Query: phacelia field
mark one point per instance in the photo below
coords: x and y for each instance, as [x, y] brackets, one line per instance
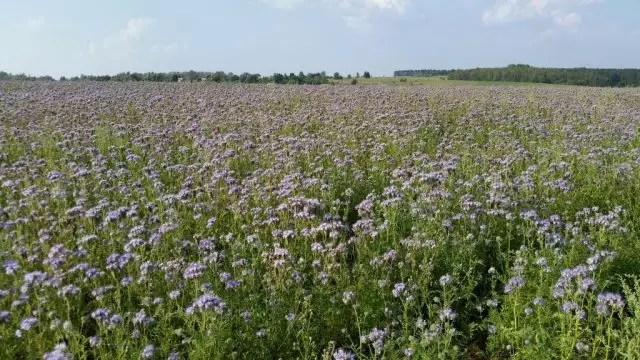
[200, 221]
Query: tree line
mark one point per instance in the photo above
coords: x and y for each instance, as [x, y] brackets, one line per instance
[196, 76]
[566, 76]
[421, 73]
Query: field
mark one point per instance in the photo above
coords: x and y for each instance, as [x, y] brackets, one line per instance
[432, 81]
[201, 221]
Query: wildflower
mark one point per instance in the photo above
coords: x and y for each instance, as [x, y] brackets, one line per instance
[148, 351]
[538, 301]
[608, 300]
[528, 311]
[28, 323]
[342, 354]
[246, 316]
[376, 338]
[447, 314]
[347, 296]
[445, 279]
[5, 316]
[582, 347]
[207, 302]
[95, 341]
[516, 282]
[59, 353]
[193, 270]
[290, 316]
[398, 289]
[11, 266]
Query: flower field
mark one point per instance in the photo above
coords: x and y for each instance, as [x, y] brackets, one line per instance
[199, 221]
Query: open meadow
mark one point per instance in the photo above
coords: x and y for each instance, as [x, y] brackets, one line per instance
[204, 221]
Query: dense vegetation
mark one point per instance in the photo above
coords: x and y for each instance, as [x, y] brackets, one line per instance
[425, 72]
[195, 76]
[571, 76]
[198, 221]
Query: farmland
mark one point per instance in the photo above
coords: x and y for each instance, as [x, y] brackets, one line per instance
[205, 221]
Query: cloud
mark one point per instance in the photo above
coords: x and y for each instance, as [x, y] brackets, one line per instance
[360, 23]
[92, 48]
[282, 4]
[134, 29]
[166, 48]
[505, 11]
[569, 20]
[37, 23]
[394, 5]
[356, 14]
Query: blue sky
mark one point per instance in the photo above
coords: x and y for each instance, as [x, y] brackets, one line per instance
[265, 36]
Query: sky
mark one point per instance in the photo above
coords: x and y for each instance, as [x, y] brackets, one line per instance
[72, 37]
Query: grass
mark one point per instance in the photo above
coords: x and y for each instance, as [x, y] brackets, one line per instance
[432, 81]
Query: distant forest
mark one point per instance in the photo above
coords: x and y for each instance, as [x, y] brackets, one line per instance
[195, 76]
[511, 73]
[527, 73]
[425, 72]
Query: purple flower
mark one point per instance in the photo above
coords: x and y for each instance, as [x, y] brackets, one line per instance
[4, 316]
[445, 279]
[28, 323]
[11, 266]
[193, 270]
[342, 354]
[207, 302]
[516, 282]
[390, 255]
[408, 352]
[347, 296]
[233, 283]
[608, 300]
[398, 289]
[59, 353]
[447, 315]
[148, 351]
[569, 306]
[53, 175]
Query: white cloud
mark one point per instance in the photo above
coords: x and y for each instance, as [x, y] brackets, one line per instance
[134, 29]
[504, 11]
[37, 23]
[360, 23]
[92, 48]
[394, 5]
[282, 4]
[356, 14]
[166, 48]
[569, 20]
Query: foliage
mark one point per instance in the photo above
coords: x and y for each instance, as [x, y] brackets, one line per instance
[421, 73]
[144, 220]
[571, 76]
